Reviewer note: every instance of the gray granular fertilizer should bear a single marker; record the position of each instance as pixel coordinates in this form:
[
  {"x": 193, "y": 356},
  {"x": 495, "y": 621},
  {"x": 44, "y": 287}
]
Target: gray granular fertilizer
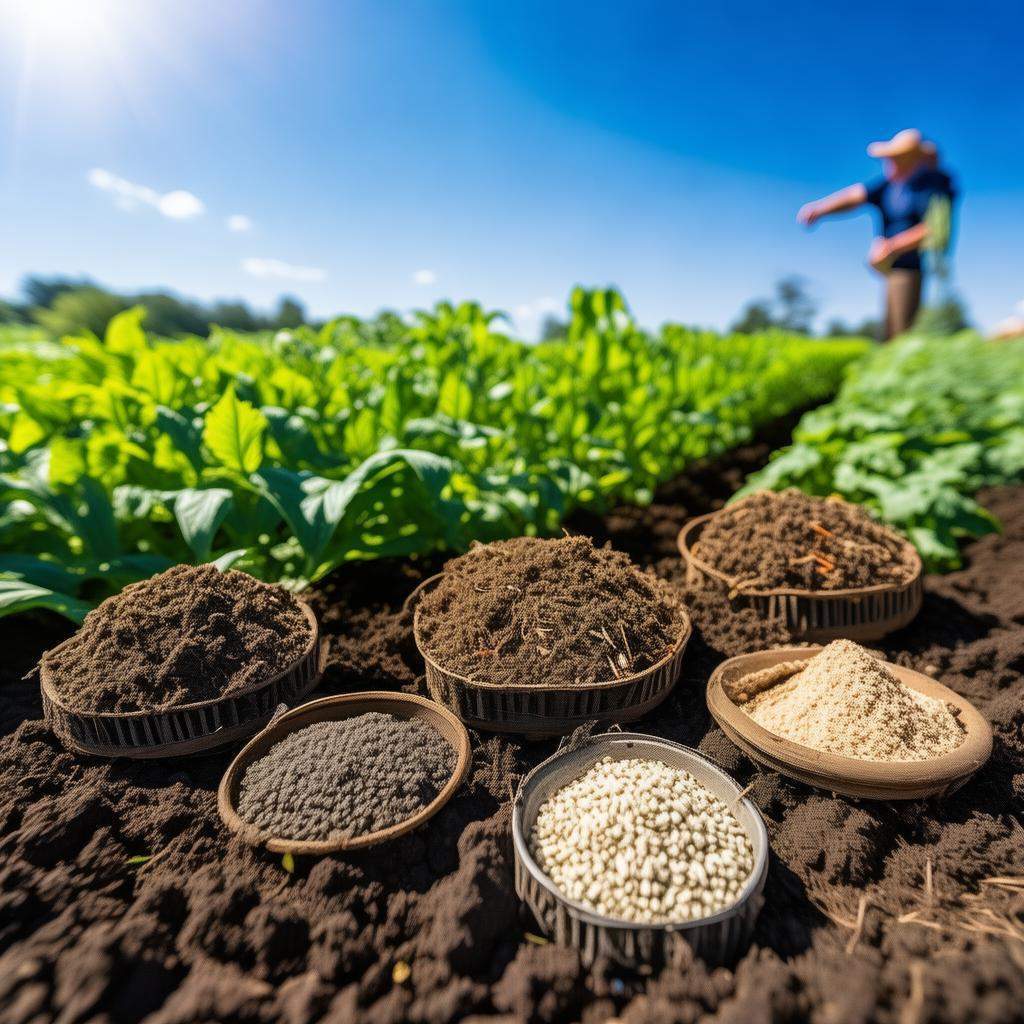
[{"x": 334, "y": 780}]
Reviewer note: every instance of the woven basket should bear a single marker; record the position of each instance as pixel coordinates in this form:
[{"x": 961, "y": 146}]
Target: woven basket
[
  {"x": 817, "y": 616},
  {"x": 716, "y": 939},
  {"x": 187, "y": 728},
  {"x": 540, "y": 711},
  {"x": 873, "y": 780},
  {"x": 332, "y": 709}
]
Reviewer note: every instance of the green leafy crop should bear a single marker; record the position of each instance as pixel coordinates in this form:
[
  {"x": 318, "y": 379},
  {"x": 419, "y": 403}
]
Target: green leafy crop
[
  {"x": 288, "y": 454},
  {"x": 915, "y": 432}
]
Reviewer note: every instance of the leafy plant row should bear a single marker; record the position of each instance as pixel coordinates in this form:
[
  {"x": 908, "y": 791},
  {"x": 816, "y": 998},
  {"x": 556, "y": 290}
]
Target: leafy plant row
[
  {"x": 288, "y": 454},
  {"x": 917, "y": 429}
]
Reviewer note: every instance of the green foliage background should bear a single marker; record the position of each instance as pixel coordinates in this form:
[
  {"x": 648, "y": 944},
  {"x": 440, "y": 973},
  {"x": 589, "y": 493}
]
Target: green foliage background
[
  {"x": 288, "y": 454},
  {"x": 917, "y": 429}
]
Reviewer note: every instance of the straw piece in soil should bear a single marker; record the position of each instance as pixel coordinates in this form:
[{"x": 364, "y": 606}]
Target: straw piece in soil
[
  {"x": 548, "y": 612},
  {"x": 791, "y": 539},
  {"x": 191, "y": 633}
]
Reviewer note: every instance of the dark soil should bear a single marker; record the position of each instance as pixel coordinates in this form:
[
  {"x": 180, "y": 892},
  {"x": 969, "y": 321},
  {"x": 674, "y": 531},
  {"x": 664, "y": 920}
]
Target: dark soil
[
  {"x": 191, "y": 633},
  {"x": 345, "y": 778},
  {"x": 548, "y": 612},
  {"x": 790, "y": 539},
  {"x": 874, "y": 912}
]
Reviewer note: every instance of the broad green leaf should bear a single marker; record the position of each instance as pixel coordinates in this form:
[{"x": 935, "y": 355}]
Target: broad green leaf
[
  {"x": 199, "y": 513},
  {"x": 234, "y": 433},
  {"x": 124, "y": 332},
  {"x": 20, "y": 596}
]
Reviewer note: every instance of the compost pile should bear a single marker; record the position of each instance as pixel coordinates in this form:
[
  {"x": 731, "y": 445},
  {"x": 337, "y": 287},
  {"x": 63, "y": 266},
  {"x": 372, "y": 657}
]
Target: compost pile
[
  {"x": 548, "y": 612},
  {"x": 191, "y": 633},
  {"x": 791, "y": 539},
  {"x": 874, "y": 912},
  {"x": 346, "y": 778},
  {"x": 846, "y": 701}
]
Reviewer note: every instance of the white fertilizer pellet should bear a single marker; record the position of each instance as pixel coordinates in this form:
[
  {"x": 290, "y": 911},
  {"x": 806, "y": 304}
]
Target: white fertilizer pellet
[{"x": 641, "y": 841}]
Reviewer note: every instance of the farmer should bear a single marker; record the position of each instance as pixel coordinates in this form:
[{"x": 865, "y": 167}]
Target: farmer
[{"x": 911, "y": 180}]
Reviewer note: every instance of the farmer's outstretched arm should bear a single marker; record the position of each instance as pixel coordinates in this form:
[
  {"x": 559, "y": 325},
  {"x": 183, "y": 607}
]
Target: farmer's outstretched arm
[
  {"x": 885, "y": 250},
  {"x": 848, "y": 198}
]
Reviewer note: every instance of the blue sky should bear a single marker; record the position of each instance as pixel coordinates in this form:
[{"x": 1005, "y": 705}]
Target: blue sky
[{"x": 392, "y": 153}]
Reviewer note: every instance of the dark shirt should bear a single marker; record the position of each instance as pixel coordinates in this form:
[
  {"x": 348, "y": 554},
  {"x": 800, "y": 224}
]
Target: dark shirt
[{"x": 903, "y": 204}]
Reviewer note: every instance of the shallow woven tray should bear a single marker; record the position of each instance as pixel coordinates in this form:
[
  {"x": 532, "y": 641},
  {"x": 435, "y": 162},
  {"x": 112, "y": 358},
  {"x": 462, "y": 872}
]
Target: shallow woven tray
[
  {"x": 716, "y": 939},
  {"x": 331, "y": 709},
  {"x": 873, "y": 780},
  {"x": 817, "y": 616},
  {"x": 550, "y": 710},
  {"x": 186, "y": 728}
]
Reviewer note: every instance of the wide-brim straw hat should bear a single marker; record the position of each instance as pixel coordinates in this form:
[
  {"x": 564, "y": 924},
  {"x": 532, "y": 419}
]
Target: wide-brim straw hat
[{"x": 904, "y": 143}]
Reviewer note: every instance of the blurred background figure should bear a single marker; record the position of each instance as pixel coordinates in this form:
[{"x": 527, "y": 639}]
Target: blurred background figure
[{"x": 914, "y": 199}]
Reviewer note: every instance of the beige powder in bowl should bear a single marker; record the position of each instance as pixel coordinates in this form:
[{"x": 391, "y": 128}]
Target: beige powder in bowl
[{"x": 845, "y": 701}]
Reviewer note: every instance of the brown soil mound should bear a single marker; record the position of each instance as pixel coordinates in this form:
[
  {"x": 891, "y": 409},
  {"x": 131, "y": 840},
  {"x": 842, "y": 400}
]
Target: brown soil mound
[
  {"x": 548, "y": 612},
  {"x": 192, "y": 633},
  {"x": 790, "y": 539},
  {"x": 209, "y": 929}
]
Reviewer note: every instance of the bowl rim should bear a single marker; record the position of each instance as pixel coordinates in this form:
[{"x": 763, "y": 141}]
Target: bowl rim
[
  {"x": 600, "y": 745},
  {"x": 958, "y": 763},
  {"x": 47, "y": 684},
  {"x": 349, "y": 705},
  {"x": 687, "y": 537},
  {"x": 539, "y": 688}
]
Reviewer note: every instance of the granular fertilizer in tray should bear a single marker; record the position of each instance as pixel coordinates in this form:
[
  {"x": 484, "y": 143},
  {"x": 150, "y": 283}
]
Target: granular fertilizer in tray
[
  {"x": 191, "y": 633},
  {"x": 791, "y": 539},
  {"x": 640, "y": 841},
  {"x": 346, "y": 778},
  {"x": 548, "y": 612},
  {"x": 846, "y": 701}
]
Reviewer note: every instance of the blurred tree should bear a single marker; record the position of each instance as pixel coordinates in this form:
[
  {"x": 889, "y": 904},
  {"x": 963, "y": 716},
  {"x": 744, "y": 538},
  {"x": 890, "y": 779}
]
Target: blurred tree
[
  {"x": 947, "y": 316},
  {"x": 791, "y": 309},
  {"x": 11, "y": 313},
  {"x": 168, "y": 315},
  {"x": 290, "y": 313},
  {"x": 234, "y": 315},
  {"x": 756, "y": 316},
  {"x": 42, "y": 291},
  {"x": 552, "y": 328},
  {"x": 86, "y": 308},
  {"x": 868, "y": 328}
]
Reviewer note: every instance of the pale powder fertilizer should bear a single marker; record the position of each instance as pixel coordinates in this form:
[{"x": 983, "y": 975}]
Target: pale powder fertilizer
[{"x": 845, "y": 701}]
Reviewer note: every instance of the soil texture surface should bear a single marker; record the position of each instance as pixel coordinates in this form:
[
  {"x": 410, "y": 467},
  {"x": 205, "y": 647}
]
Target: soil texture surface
[
  {"x": 874, "y": 912},
  {"x": 791, "y": 539},
  {"x": 556, "y": 612},
  {"x": 191, "y": 633}
]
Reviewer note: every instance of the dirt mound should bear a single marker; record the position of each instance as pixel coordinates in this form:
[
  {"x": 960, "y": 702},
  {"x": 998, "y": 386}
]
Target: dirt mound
[
  {"x": 191, "y": 633},
  {"x": 791, "y": 539},
  {"x": 547, "y": 612},
  {"x": 209, "y": 929}
]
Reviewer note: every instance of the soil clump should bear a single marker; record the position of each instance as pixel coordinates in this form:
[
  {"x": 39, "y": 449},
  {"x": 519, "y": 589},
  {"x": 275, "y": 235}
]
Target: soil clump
[
  {"x": 548, "y": 612},
  {"x": 791, "y": 539},
  {"x": 190, "y": 634}
]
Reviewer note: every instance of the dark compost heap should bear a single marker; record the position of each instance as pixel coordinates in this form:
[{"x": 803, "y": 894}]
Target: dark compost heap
[
  {"x": 790, "y": 539},
  {"x": 552, "y": 612},
  {"x": 190, "y": 634},
  {"x": 428, "y": 929}
]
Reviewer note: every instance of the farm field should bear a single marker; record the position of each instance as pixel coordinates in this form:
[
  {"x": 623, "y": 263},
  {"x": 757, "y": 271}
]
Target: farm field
[
  {"x": 347, "y": 464},
  {"x": 209, "y": 929}
]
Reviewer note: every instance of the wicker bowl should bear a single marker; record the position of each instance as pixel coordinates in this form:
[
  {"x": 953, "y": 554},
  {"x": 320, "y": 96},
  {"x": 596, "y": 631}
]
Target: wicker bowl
[
  {"x": 717, "y": 938},
  {"x": 184, "y": 729},
  {"x": 816, "y": 616},
  {"x": 873, "y": 780},
  {"x": 333, "y": 709},
  {"x": 539, "y": 711}
]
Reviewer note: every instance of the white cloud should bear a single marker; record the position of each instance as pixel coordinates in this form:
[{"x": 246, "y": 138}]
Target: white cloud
[
  {"x": 128, "y": 195},
  {"x": 424, "y": 277},
  {"x": 239, "y": 222},
  {"x": 261, "y": 267}
]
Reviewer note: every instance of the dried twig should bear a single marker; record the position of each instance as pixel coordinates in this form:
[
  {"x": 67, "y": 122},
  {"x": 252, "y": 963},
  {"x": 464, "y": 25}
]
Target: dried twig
[{"x": 858, "y": 927}]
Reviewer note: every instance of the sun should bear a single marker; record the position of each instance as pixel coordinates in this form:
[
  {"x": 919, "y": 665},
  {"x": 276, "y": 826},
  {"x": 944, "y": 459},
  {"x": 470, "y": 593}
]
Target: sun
[{"x": 59, "y": 26}]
